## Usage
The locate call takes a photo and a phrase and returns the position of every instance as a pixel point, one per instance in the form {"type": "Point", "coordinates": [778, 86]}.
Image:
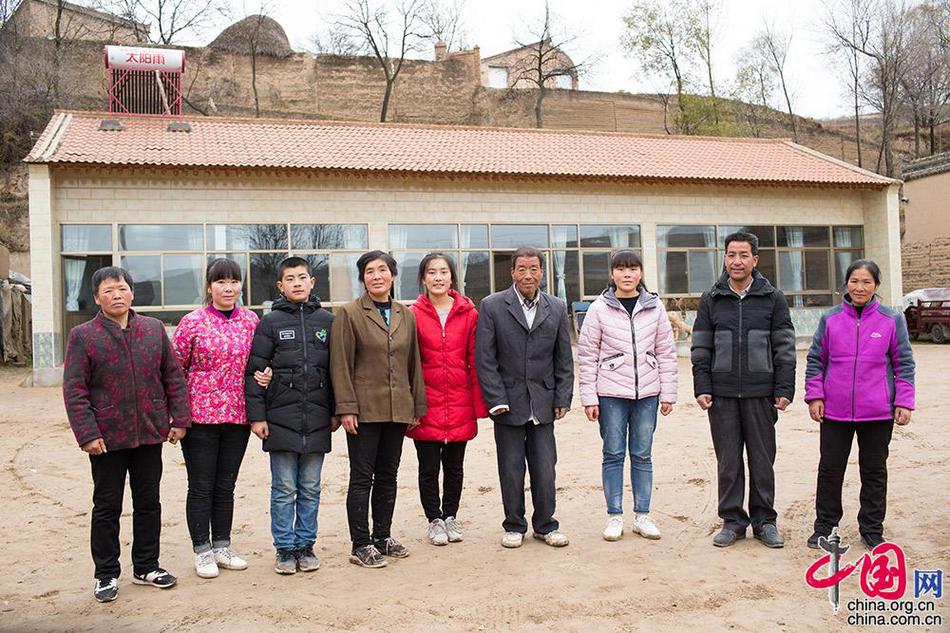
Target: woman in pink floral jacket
{"type": "Point", "coordinates": [212, 345]}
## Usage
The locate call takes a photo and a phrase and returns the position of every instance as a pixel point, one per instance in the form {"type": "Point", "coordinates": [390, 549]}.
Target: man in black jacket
{"type": "Point", "coordinates": [294, 415]}
{"type": "Point", "coordinates": [743, 357]}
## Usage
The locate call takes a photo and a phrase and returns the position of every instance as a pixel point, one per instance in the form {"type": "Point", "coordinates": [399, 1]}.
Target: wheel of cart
{"type": "Point", "coordinates": [938, 334]}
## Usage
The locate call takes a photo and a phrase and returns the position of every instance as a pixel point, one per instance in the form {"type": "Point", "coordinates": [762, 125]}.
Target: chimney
{"type": "Point", "coordinates": [440, 50]}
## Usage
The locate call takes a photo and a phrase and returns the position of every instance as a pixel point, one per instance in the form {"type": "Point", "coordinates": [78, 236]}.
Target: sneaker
{"type": "Point", "coordinates": [367, 556]}
{"type": "Point", "coordinates": [645, 527]}
{"type": "Point", "coordinates": [226, 559]}
{"type": "Point", "coordinates": [205, 565]}
{"type": "Point", "coordinates": [727, 537]}
{"type": "Point", "coordinates": [872, 540]}
{"type": "Point", "coordinates": [392, 548]}
{"type": "Point", "coordinates": [512, 540]}
{"type": "Point", "coordinates": [553, 538]}
{"type": "Point", "coordinates": [107, 589]}
{"type": "Point", "coordinates": [436, 532]}
{"type": "Point", "coordinates": [453, 530]}
{"type": "Point", "coordinates": [614, 529]}
{"type": "Point", "coordinates": [285, 562]}
{"type": "Point", "coordinates": [769, 535]}
{"type": "Point", "coordinates": [307, 560]}
{"type": "Point", "coordinates": [157, 578]}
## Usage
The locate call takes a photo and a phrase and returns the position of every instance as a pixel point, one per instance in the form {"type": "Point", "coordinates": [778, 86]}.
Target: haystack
{"type": "Point", "coordinates": [265, 33]}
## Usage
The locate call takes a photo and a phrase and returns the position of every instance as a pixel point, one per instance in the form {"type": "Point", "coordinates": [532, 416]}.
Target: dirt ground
{"type": "Point", "coordinates": [677, 582]}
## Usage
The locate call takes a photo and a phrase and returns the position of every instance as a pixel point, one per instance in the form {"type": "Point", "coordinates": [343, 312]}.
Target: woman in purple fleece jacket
{"type": "Point", "coordinates": [860, 380]}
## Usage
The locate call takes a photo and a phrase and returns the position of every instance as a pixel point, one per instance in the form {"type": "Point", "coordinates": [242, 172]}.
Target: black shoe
{"type": "Point", "coordinates": [107, 589]}
{"type": "Point", "coordinates": [157, 578]}
{"type": "Point", "coordinates": [769, 535]}
{"type": "Point", "coordinates": [813, 540]}
{"type": "Point", "coordinates": [392, 548]}
{"type": "Point", "coordinates": [285, 562]}
{"type": "Point", "coordinates": [727, 537]}
{"type": "Point", "coordinates": [367, 556]}
{"type": "Point", "coordinates": [872, 540]}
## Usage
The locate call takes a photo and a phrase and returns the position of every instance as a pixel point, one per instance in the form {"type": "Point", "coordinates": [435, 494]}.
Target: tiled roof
{"type": "Point", "coordinates": [75, 137]}
{"type": "Point", "coordinates": [926, 166]}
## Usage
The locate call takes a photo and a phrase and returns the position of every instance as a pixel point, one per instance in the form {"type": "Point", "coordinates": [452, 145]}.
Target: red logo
{"type": "Point", "coordinates": [880, 576]}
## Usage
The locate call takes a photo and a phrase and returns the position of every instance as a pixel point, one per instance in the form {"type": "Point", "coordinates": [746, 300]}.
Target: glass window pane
{"type": "Point", "coordinates": [474, 236]}
{"type": "Point", "coordinates": [345, 282]}
{"type": "Point", "coordinates": [255, 237]}
{"type": "Point", "coordinates": [596, 272]}
{"type": "Point", "coordinates": [502, 262]}
{"type": "Point", "coordinates": [320, 268]}
{"type": "Point", "coordinates": [843, 259]}
{"type": "Point", "coordinates": [169, 318]}
{"type": "Point", "coordinates": [161, 237]}
{"type": "Point", "coordinates": [475, 271]}
{"type": "Point", "coordinates": [146, 271]}
{"type": "Point", "coordinates": [614, 236]}
{"type": "Point", "coordinates": [670, 236]}
{"type": "Point", "coordinates": [566, 279]}
{"type": "Point", "coordinates": [816, 270]}
{"type": "Point", "coordinates": [329, 236]}
{"type": "Point", "coordinates": [241, 260]}
{"type": "Point", "coordinates": [672, 273]}
{"type": "Point", "coordinates": [430, 236]}
{"type": "Point", "coordinates": [85, 238]}
{"type": "Point", "coordinates": [407, 283]}
{"type": "Point", "coordinates": [798, 236]}
{"type": "Point", "coordinates": [791, 273]}
{"type": "Point", "coordinates": [702, 270]}
{"type": "Point", "coordinates": [848, 236]}
{"type": "Point", "coordinates": [263, 277]}
{"type": "Point", "coordinates": [564, 236]}
{"type": "Point", "coordinates": [184, 279]}
{"type": "Point", "coordinates": [77, 281]}
{"type": "Point", "coordinates": [516, 235]}
{"type": "Point", "coordinates": [767, 265]}
{"type": "Point", "coordinates": [766, 234]}
{"type": "Point", "coordinates": [816, 301]}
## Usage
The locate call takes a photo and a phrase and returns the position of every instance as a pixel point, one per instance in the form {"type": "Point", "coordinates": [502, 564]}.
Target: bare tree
{"type": "Point", "coordinates": [371, 28]}
{"type": "Point", "coordinates": [888, 51]}
{"type": "Point", "coordinates": [753, 88]}
{"type": "Point", "coordinates": [444, 22]}
{"type": "Point", "coordinates": [657, 34]}
{"type": "Point", "coordinates": [701, 30]}
{"type": "Point", "coordinates": [544, 61]}
{"type": "Point", "coordinates": [926, 83]}
{"type": "Point", "coordinates": [334, 41]}
{"type": "Point", "coordinates": [774, 45]}
{"type": "Point", "coordinates": [171, 21]}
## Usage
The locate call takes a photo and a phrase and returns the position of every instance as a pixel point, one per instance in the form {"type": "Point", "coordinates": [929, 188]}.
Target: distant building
{"type": "Point", "coordinates": [927, 190]}
{"type": "Point", "coordinates": [37, 18]}
{"type": "Point", "coordinates": [507, 70]}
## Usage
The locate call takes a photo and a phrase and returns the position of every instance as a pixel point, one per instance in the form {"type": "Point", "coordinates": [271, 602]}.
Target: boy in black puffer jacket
{"type": "Point", "coordinates": [294, 414]}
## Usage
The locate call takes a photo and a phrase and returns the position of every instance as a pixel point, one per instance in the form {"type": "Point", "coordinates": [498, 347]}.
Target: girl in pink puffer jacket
{"type": "Point", "coordinates": [627, 367]}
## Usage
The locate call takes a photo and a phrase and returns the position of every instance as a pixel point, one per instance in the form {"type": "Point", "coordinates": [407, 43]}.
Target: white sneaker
{"type": "Point", "coordinates": [644, 526]}
{"type": "Point", "coordinates": [226, 559]}
{"type": "Point", "coordinates": [436, 532]}
{"type": "Point", "coordinates": [614, 529]}
{"type": "Point", "coordinates": [205, 565]}
{"type": "Point", "coordinates": [453, 530]}
{"type": "Point", "coordinates": [512, 540]}
{"type": "Point", "coordinates": [553, 538]}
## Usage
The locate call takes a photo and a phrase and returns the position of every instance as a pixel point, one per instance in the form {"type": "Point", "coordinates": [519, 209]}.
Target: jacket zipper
{"type": "Point", "coordinates": [739, 337]}
{"type": "Point", "coordinates": [854, 375]}
{"type": "Point", "coordinates": [445, 370]}
{"type": "Point", "coordinates": [306, 370]}
{"type": "Point", "coordinates": [636, 370]}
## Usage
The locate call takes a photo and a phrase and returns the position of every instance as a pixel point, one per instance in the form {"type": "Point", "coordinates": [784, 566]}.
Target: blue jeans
{"type": "Point", "coordinates": [628, 425]}
{"type": "Point", "coordinates": [294, 490]}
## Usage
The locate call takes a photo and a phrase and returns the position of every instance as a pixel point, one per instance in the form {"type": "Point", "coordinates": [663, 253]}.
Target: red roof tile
{"type": "Point", "coordinates": [74, 137]}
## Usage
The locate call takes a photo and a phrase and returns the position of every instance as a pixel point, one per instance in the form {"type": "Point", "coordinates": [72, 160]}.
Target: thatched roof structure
{"type": "Point", "coordinates": [264, 33]}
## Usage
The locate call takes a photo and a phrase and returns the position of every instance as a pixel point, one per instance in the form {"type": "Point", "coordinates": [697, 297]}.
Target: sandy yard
{"type": "Point", "coordinates": [676, 583]}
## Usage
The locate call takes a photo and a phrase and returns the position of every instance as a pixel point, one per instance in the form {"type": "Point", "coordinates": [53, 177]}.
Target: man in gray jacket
{"type": "Point", "coordinates": [526, 371]}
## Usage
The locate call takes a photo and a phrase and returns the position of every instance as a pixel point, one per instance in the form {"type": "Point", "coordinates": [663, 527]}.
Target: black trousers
{"type": "Point", "coordinates": [532, 444]}
{"type": "Point", "coordinates": [144, 467]}
{"type": "Point", "coordinates": [873, 441]}
{"type": "Point", "coordinates": [375, 452]}
{"type": "Point", "coordinates": [745, 425]}
{"type": "Point", "coordinates": [448, 455]}
{"type": "Point", "coordinates": [213, 455]}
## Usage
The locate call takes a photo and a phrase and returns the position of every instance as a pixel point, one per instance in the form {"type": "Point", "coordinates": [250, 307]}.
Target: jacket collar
{"type": "Point", "coordinates": [513, 299]}
{"type": "Point", "coordinates": [105, 321]}
{"type": "Point", "coordinates": [395, 314]}
{"type": "Point", "coordinates": [461, 303]}
{"type": "Point", "coordinates": [760, 285]}
{"type": "Point", "coordinates": [647, 300]}
{"type": "Point", "coordinates": [282, 303]}
{"type": "Point", "coordinates": [869, 308]}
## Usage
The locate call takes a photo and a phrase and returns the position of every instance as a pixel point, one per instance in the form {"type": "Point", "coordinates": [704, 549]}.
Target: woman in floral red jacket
{"type": "Point", "coordinates": [445, 325]}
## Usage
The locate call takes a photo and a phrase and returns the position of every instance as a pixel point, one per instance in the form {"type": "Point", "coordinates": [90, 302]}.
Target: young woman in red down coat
{"type": "Point", "coordinates": [445, 323]}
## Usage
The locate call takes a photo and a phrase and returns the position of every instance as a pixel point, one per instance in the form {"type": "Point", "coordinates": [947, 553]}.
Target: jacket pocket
{"type": "Point", "coordinates": [651, 360]}
{"type": "Point", "coordinates": [722, 347]}
{"type": "Point", "coordinates": [760, 350]}
{"type": "Point", "coordinates": [158, 416]}
{"type": "Point", "coordinates": [612, 362]}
